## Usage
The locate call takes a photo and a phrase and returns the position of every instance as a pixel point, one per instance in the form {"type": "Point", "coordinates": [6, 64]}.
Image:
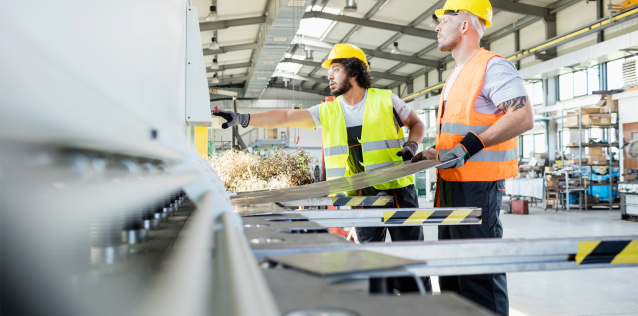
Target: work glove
{"type": "Point", "coordinates": [408, 151]}
{"type": "Point", "coordinates": [470, 145]}
{"type": "Point", "coordinates": [423, 155]}
{"type": "Point", "coordinates": [231, 118]}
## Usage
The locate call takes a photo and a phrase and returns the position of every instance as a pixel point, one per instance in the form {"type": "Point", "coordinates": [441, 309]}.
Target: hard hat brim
{"type": "Point", "coordinates": [440, 12]}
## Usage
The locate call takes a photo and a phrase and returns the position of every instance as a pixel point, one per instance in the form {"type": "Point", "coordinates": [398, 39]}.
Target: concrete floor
{"type": "Point", "coordinates": [583, 292]}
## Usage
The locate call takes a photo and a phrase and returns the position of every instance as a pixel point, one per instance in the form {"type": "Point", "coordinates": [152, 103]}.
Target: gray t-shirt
{"type": "Point", "coordinates": [501, 83]}
{"type": "Point", "coordinates": [354, 113]}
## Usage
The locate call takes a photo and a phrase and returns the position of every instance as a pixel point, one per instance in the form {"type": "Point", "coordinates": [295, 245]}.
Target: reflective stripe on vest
{"type": "Point", "coordinates": [460, 129]}
{"type": "Point", "coordinates": [335, 150]}
{"type": "Point", "coordinates": [382, 144]}
{"type": "Point", "coordinates": [490, 155]}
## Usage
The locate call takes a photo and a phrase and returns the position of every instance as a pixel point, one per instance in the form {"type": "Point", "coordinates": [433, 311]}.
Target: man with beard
{"type": "Point", "coordinates": [362, 131]}
{"type": "Point", "coordinates": [482, 110]}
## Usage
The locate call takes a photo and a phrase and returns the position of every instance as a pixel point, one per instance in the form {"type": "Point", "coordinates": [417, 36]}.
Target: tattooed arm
{"type": "Point", "coordinates": [517, 120]}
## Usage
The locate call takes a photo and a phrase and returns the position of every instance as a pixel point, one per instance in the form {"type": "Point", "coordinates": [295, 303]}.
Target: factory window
{"type": "Point", "coordinates": [578, 83]}
{"type": "Point", "coordinates": [535, 92]}
{"type": "Point", "coordinates": [614, 74]}
{"type": "Point", "coordinates": [532, 143]}
{"type": "Point", "coordinates": [270, 133]}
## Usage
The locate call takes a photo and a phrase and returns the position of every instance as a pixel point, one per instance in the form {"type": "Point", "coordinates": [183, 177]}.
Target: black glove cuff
{"type": "Point", "coordinates": [472, 143]}
{"type": "Point", "coordinates": [244, 119]}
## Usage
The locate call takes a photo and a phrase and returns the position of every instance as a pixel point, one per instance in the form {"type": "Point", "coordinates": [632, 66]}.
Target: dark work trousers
{"type": "Point", "coordinates": [405, 197]}
{"type": "Point", "coordinates": [488, 290]}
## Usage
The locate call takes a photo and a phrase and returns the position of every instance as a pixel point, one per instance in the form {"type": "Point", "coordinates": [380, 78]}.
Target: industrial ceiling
{"type": "Point", "coordinates": [266, 43]}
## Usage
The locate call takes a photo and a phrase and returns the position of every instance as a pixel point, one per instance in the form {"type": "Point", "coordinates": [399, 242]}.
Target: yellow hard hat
{"type": "Point", "coordinates": [342, 50]}
{"type": "Point", "coordinates": [480, 8]}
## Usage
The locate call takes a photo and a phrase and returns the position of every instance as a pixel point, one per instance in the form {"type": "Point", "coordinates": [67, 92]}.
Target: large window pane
{"type": "Point", "coordinates": [528, 145]}
{"type": "Point", "coordinates": [539, 143]}
{"type": "Point", "coordinates": [580, 83]}
{"type": "Point", "coordinates": [530, 92]}
{"type": "Point", "coordinates": [538, 93]}
{"type": "Point", "coordinates": [614, 74]}
{"type": "Point", "coordinates": [566, 86]}
{"type": "Point", "coordinates": [593, 81]}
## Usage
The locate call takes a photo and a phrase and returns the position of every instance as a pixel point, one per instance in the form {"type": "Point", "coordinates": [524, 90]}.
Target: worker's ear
{"type": "Point", "coordinates": [465, 26]}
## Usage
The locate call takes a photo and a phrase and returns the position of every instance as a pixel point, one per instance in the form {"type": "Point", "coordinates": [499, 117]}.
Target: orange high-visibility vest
{"type": "Point", "coordinates": [493, 163]}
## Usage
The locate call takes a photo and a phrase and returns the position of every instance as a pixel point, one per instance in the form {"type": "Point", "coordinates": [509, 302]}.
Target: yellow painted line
{"type": "Point", "coordinates": [456, 217]}
{"type": "Point", "coordinates": [355, 200]}
{"type": "Point", "coordinates": [584, 249]}
{"type": "Point", "coordinates": [423, 91]}
{"type": "Point", "coordinates": [628, 255]}
{"type": "Point", "coordinates": [387, 215]}
{"type": "Point", "coordinates": [418, 217]}
{"type": "Point", "coordinates": [382, 201]}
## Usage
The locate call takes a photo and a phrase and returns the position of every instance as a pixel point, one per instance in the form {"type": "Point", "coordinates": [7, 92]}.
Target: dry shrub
{"type": "Point", "coordinates": [243, 171]}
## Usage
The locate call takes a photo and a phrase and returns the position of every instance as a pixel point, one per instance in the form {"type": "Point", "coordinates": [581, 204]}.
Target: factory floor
{"type": "Point", "coordinates": [571, 292]}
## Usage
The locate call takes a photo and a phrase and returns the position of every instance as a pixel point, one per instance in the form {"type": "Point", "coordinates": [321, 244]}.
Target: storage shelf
{"type": "Point", "coordinates": [592, 145]}
{"type": "Point", "coordinates": [594, 126]}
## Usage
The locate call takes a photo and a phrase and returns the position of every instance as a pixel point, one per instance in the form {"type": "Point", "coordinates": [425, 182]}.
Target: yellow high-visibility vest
{"type": "Point", "coordinates": [380, 140]}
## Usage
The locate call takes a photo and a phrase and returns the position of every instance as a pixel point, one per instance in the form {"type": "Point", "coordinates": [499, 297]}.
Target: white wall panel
{"type": "Point", "coordinates": [433, 77]}
{"type": "Point", "coordinates": [575, 16]}
{"type": "Point", "coordinates": [621, 29]}
{"type": "Point", "coordinates": [533, 34]}
{"type": "Point", "coordinates": [503, 46]}
{"type": "Point", "coordinates": [575, 45]}
{"type": "Point", "coordinates": [419, 83]}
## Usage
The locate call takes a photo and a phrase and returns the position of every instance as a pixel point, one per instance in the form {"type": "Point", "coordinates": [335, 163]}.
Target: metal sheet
{"type": "Point", "coordinates": [479, 256]}
{"type": "Point", "coordinates": [340, 262]}
{"type": "Point", "coordinates": [387, 201]}
{"type": "Point", "coordinates": [325, 188]}
{"type": "Point", "coordinates": [392, 217]}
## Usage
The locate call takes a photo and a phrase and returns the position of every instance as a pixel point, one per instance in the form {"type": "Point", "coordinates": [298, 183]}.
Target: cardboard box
{"type": "Point", "coordinates": [592, 119]}
{"type": "Point", "coordinates": [549, 169]}
{"type": "Point", "coordinates": [608, 102]}
{"type": "Point", "coordinates": [596, 160]}
{"type": "Point", "coordinates": [595, 151]}
{"type": "Point", "coordinates": [520, 207]}
{"type": "Point", "coordinates": [589, 110]}
{"type": "Point", "coordinates": [574, 161]}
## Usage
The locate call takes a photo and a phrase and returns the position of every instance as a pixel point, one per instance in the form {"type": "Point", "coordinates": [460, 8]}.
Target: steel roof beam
{"type": "Point", "coordinates": [520, 8]}
{"type": "Point", "coordinates": [374, 24]}
{"type": "Point", "coordinates": [375, 74]}
{"type": "Point", "coordinates": [220, 25]}
{"type": "Point", "coordinates": [230, 66]}
{"type": "Point", "coordinates": [375, 53]}
{"type": "Point", "coordinates": [309, 90]}
{"type": "Point", "coordinates": [230, 48]}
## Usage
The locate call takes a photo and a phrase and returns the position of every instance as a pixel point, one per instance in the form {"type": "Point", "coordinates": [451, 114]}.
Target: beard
{"type": "Point", "coordinates": [450, 43]}
{"type": "Point", "coordinates": [342, 88]}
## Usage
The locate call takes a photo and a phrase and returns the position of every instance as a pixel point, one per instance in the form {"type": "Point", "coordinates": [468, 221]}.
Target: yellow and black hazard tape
{"type": "Point", "coordinates": [363, 201]}
{"type": "Point", "coordinates": [460, 216]}
{"type": "Point", "coordinates": [607, 252]}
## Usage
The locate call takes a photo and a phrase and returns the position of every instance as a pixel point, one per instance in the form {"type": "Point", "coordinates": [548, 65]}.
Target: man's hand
{"type": "Point", "coordinates": [470, 145]}
{"type": "Point", "coordinates": [232, 118]}
{"type": "Point", "coordinates": [408, 151]}
{"type": "Point", "coordinates": [428, 154]}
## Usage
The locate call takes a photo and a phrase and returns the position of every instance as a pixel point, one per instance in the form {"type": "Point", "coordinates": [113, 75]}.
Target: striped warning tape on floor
{"type": "Point", "coordinates": [611, 252]}
{"type": "Point", "coordinates": [460, 216]}
{"type": "Point", "coordinates": [363, 201]}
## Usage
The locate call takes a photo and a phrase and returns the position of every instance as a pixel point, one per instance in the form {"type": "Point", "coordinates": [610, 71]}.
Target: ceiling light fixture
{"type": "Point", "coordinates": [212, 16]}
{"type": "Point", "coordinates": [395, 49]}
{"type": "Point", "coordinates": [215, 80]}
{"type": "Point", "coordinates": [214, 65]}
{"type": "Point", "coordinates": [435, 21]}
{"type": "Point", "coordinates": [309, 55]}
{"type": "Point", "coordinates": [351, 6]}
{"type": "Point", "coordinates": [213, 44]}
